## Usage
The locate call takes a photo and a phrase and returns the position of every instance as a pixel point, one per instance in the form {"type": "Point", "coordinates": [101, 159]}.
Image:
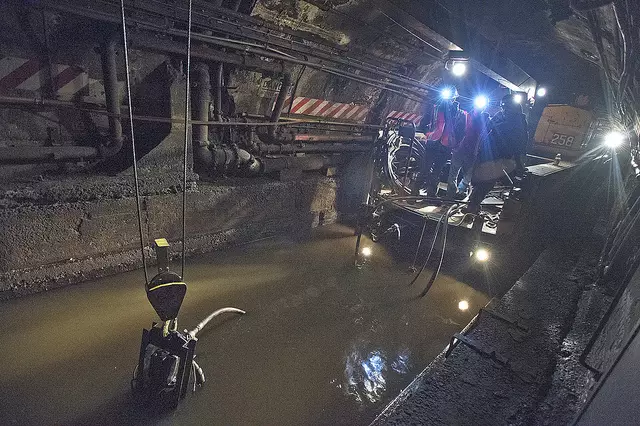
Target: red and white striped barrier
{"type": "Point", "coordinates": [32, 75]}
{"type": "Point", "coordinates": [411, 116]}
{"type": "Point", "coordinates": [326, 109]}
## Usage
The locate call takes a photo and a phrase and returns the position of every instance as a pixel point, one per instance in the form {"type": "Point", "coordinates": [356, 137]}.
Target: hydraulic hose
{"type": "Point", "coordinates": [205, 321]}
{"type": "Point", "coordinates": [433, 244]}
{"type": "Point", "coordinates": [436, 271]}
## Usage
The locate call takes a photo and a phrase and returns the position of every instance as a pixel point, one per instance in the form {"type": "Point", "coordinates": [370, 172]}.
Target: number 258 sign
{"type": "Point", "coordinates": [559, 139]}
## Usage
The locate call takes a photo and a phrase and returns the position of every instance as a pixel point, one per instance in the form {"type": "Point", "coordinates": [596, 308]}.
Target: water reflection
{"type": "Point", "coordinates": [367, 372]}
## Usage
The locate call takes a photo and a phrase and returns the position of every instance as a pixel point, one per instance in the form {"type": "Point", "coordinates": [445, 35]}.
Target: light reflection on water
{"type": "Point", "coordinates": [367, 372]}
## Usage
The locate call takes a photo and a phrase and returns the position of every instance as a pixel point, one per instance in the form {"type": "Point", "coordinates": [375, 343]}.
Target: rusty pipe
{"type": "Point", "coordinates": [304, 137]}
{"type": "Point", "coordinates": [306, 163]}
{"type": "Point", "coordinates": [217, 98]}
{"type": "Point", "coordinates": [50, 154]}
{"type": "Point", "coordinates": [112, 101]}
{"type": "Point", "coordinates": [277, 108]}
{"type": "Point", "coordinates": [201, 102]}
{"type": "Point", "coordinates": [315, 148]}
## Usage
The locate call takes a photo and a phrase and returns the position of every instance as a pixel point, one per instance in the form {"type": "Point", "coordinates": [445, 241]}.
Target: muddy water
{"type": "Point", "coordinates": [322, 342]}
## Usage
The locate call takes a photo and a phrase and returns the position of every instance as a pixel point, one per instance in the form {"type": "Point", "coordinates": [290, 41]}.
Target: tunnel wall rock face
{"type": "Point", "coordinates": [53, 237]}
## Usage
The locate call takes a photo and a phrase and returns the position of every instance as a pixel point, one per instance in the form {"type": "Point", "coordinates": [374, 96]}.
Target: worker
{"type": "Point", "coordinates": [447, 129]}
{"type": "Point", "coordinates": [500, 151]}
{"type": "Point", "coordinates": [464, 155]}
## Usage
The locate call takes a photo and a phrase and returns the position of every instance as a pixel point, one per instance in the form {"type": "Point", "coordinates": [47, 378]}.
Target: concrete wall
{"type": "Point", "coordinates": [55, 234]}
{"type": "Point", "coordinates": [62, 224]}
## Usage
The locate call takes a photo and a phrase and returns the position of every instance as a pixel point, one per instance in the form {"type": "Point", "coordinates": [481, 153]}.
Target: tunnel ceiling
{"type": "Point", "coordinates": [544, 38]}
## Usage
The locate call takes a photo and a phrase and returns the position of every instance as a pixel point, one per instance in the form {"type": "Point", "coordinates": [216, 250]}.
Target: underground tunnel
{"type": "Point", "coordinates": [319, 212]}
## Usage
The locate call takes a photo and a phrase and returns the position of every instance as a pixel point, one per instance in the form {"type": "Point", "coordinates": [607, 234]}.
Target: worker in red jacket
{"type": "Point", "coordinates": [464, 155]}
{"type": "Point", "coordinates": [447, 130]}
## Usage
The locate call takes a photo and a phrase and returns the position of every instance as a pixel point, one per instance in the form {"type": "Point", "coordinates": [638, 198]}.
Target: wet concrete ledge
{"type": "Point", "coordinates": [470, 387]}
{"type": "Point", "coordinates": [62, 232]}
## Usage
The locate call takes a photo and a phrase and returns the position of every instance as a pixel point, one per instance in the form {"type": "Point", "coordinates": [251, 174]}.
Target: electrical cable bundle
{"type": "Point", "coordinates": [444, 223]}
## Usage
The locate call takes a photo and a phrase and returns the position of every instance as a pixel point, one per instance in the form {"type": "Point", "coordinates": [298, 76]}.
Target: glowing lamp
{"type": "Point", "coordinates": [480, 102]}
{"type": "Point", "coordinates": [459, 69]}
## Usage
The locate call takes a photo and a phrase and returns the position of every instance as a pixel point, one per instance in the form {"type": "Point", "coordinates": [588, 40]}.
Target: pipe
{"type": "Point", "coordinates": [110, 76]}
{"type": "Point", "coordinates": [92, 109]}
{"type": "Point", "coordinates": [234, 161]}
{"type": "Point", "coordinates": [202, 100]}
{"type": "Point", "coordinates": [228, 161]}
{"type": "Point", "coordinates": [154, 43]}
{"type": "Point", "coordinates": [54, 154]}
{"type": "Point", "coordinates": [308, 162]}
{"type": "Point", "coordinates": [205, 321]}
{"type": "Point", "coordinates": [305, 137]}
{"type": "Point", "coordinates": [217, 99]}
{"type": "Point", "coordinates": [316, 148]}
{"type": "Point", "coordinates": [262, 51]}
{"type": "Point", "coordinates": [277, 108]}
{"type": "Point", "coordinates": [227, 22]}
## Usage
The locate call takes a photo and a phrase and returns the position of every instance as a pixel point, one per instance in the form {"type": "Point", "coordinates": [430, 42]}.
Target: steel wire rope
{"type": "Point", "coordinates": [186, 143]}
{"type": "Point", "coordinates": [133, 141]}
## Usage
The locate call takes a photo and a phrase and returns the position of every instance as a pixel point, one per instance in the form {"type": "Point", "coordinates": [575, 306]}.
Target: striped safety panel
{"type": "Point", "coordinates": [411, 116]}
{"type": "Point", "coordinates": [327, 109]}
{"type": "Point", "coordinates": [32, 75]}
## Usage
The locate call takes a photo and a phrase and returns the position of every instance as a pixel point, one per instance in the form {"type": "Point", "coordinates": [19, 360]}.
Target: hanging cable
{"type": "Point", "coordinates": [433, 244]}
{"type": "Point", "coordinates": [214, 314]}
{"type": "Point", "coordinates": [436, 271]}
{"type": "Point", "coordinates": [186, 144]}
{"type": "Point", "coordinates": [133, 141]}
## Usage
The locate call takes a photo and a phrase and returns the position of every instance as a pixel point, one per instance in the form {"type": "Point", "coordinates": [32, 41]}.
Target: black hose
{"type": "Point", "coordinates": [433, 244]}
{"type": "Point", "coordinates": [436, 271]}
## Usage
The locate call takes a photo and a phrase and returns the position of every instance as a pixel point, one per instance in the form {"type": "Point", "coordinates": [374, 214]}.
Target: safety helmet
{"type": "Point", "coordinates": [509, 103]}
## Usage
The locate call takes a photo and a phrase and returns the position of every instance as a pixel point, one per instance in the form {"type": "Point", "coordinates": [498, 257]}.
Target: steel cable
{"type": "Point", "coordinates": [133, 141]}
{"type": "Point", "coordinates": [186, 143]}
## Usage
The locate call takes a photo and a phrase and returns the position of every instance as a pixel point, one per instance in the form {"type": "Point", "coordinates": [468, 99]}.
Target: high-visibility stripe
{"type": "Point", "coordinates": [19, 75]}
{"type": "Point", "coordinates": [331, 110]}
{"type": "Point", "coordinates": [411, 116]}
{"type": "Point", "coordinates": [327, 109]}
{"type": "Point", "coordinates": [318, 108]}
{"type": "Point", "coordinates": [74, 86]}
{"type": "Point", "coordinates": [8, 64]}
{"type": "Point", "coordinates": [297, 108]}
{"type": "Point", "coordinates": [340, 111]}
{"type": "Point", "coordinates": [166, 285]}
{"type": "Point", "coordinates": [353, 111]}
{"type": "Point", "coordinates": [64, 77]}
{"type": "Point", "coordinates": [309, 106]}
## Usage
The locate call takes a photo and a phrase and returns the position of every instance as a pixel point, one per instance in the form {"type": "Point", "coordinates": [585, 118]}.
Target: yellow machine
{"type": "Point", "coordinates": [564, 130]}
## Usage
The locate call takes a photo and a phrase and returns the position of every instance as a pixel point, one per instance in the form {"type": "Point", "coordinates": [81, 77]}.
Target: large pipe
{"type": "Point", "coordinates": [277, 108]}
{"type": "Point", "coordinates": [234, 161]}
{"type": "Point", "coordinates": [93, 108]}
{"type": "Point", "coordinates": [110, 76]}
{"type": "Point", "coordinates": [306, 163]}
{"type": "Point", "coordinates": [305, 137]}
{"type": "Point", "coordinates": [201, 102]}
{"type": "Point", "coordinates": [217, 99]}
{"type": "Point", "coordinates": [166, 45]}
{"type": "Point", "coordinates": [264, 51]}
{"type": "Point", "coordinates": [315, 148]}
{"type": "Point", "coordinates": [53, 154]}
